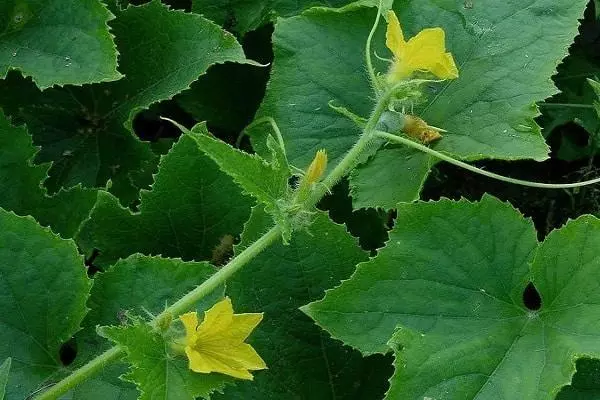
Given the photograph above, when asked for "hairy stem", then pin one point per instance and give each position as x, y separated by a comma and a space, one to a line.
188, 301
352, 157
441, 156
184, 304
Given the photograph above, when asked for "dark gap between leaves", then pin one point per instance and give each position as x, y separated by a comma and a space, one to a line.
89, 263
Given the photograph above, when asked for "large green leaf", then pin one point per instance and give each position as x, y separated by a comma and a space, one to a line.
169, 378
488, 111
44, 289
402, 169
4, 370
86, 131
191, 206
131, 287
447, 294
586, 382
242, 16
303, 363
57, 42
21, 185
140, 284
267, 181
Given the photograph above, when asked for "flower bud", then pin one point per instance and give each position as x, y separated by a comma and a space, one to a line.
316, 168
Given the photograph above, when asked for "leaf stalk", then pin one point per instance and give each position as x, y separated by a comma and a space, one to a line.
399, 139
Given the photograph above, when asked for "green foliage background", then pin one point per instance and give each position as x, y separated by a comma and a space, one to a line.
108, 213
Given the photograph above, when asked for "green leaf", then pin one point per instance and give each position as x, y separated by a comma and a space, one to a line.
576, 97
57, 42
158, 373
191, 206
129, 288
446, 294
403, 169
140, 283
586, 382
303, 362
228, 96
21, 185
243, 16
105, 385
299, 87
4, 370
427, 237
87, 131
267, 182
44, 289
488, 111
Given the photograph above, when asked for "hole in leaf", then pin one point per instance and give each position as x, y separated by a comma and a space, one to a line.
531, 298
68, 351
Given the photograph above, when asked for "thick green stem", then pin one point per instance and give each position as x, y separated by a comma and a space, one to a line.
85, 372
190, 300
441, 156
352, 157
184, 304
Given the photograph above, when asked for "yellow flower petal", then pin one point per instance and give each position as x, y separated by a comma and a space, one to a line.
217, 344
235, 356
243, 325
425, 49
205, 364
424, 52
216, 320
394, 38
446, 69
190, 322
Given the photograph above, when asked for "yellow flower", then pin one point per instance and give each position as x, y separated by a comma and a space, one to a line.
217, 343
425, 52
